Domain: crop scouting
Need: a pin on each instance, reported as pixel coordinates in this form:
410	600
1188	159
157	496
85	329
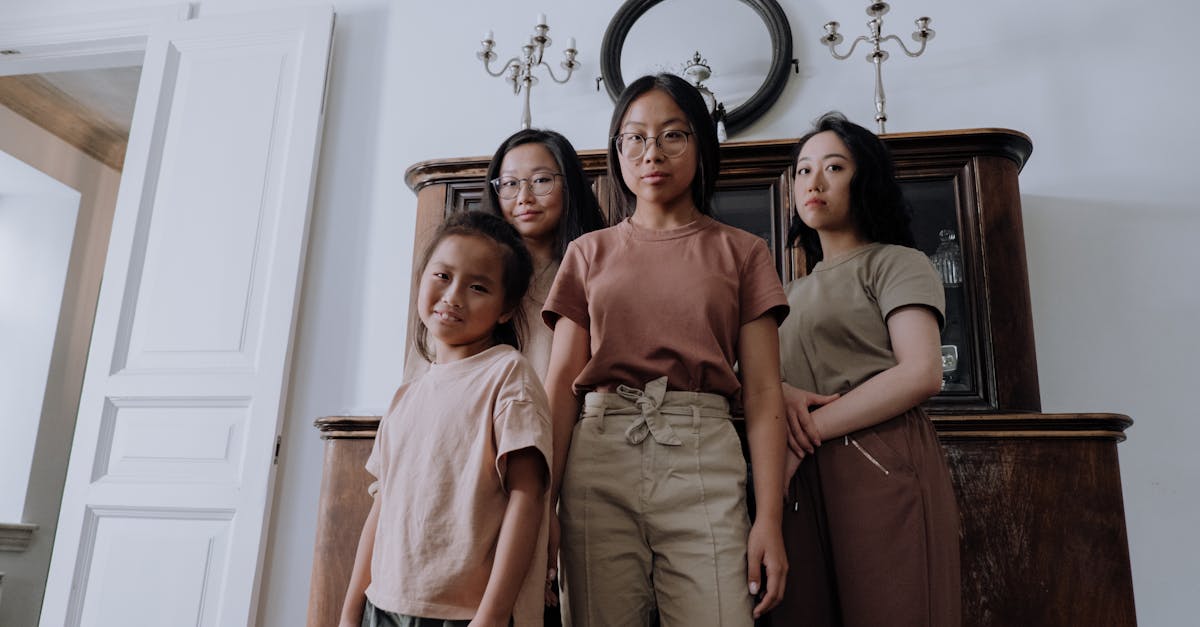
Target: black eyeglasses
508	187
634	145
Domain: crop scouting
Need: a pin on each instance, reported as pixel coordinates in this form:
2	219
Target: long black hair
517	271
704	132
580	210
877	207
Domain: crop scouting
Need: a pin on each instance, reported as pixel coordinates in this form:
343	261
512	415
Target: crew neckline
467	363
652	235
833	262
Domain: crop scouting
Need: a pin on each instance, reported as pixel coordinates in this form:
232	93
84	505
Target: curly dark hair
877	206
704	131
581	212
518	269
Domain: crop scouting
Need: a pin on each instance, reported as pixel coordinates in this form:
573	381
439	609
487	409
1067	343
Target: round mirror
651	36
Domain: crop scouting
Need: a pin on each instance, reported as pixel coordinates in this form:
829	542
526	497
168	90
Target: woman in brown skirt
873	530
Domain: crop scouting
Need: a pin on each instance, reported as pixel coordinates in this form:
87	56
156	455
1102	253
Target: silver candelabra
518	71
877	55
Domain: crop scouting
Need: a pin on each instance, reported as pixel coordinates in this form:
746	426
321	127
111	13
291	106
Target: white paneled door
169	483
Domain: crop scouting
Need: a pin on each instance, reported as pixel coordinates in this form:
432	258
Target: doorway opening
63	136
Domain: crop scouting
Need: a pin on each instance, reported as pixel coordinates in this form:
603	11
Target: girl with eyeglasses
537	184
649	318
873	534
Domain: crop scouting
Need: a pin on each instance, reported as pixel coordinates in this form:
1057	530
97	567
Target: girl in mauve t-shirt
537	183
650	316
873	533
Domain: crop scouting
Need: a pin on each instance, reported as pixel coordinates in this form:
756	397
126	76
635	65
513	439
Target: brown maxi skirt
873	532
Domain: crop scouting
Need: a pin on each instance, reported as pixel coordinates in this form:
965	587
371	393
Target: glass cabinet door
756	207
935	226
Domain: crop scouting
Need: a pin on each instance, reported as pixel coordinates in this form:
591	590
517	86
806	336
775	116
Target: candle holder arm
903	47
853	45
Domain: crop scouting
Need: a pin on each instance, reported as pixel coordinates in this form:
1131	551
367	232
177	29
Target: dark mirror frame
741	116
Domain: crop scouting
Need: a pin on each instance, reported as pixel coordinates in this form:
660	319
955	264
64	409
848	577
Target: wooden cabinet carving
1044	539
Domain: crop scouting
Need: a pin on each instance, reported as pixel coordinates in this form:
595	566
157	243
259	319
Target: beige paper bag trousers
653	512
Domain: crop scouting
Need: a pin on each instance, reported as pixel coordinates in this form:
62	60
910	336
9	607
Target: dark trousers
375	617
873	532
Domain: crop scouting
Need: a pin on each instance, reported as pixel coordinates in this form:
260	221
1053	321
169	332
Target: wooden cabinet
1044	539
1040	495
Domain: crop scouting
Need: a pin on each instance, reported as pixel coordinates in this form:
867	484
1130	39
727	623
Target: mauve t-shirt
665	302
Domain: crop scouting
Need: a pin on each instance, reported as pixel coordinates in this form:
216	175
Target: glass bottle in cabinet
947	259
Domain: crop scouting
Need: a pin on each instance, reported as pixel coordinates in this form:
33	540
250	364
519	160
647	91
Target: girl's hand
803	435
765	552
552	559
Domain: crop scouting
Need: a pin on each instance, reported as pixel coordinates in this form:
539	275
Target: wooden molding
347	427
1090	426
35	99
16	537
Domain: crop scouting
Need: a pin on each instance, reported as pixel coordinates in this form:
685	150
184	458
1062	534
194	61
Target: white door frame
120	39
81	41
54	44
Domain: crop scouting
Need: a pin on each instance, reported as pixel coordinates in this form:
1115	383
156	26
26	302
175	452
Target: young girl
462	456
536	183
649	317
873	538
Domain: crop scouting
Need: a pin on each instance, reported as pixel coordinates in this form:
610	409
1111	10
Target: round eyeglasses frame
620	139
537	189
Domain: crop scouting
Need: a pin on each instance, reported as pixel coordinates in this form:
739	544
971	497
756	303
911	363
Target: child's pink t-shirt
440	461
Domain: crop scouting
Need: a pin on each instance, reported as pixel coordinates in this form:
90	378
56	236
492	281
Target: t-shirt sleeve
761	291
375	461
522	419
907	277
568	295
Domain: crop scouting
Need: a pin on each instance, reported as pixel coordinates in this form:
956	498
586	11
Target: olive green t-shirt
837	336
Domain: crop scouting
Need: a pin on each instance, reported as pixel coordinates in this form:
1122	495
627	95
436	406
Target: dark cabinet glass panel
749	209
753	208
935	226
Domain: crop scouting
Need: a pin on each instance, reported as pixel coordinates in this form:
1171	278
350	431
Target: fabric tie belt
651	406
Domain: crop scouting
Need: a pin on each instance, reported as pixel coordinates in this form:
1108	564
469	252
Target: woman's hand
803	435
765	552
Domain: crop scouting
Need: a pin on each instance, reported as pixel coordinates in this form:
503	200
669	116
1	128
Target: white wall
37	226
1109	203
93	190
